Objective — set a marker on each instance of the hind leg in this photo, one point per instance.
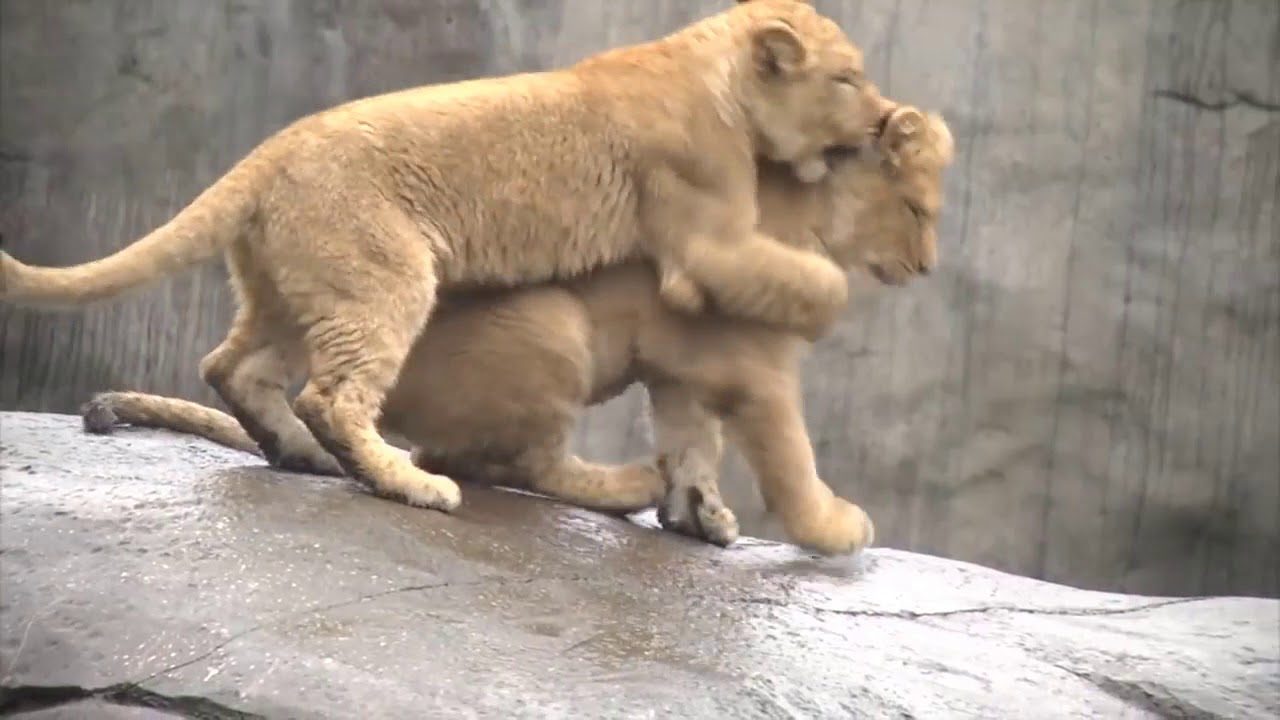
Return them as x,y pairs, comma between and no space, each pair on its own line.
549,468
552,471
250,374
614,489
356,348
688,442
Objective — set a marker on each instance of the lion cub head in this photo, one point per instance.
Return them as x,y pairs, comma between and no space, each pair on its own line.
805,91
886,202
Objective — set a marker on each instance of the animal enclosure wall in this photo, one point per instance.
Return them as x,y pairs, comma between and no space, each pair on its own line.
1088,390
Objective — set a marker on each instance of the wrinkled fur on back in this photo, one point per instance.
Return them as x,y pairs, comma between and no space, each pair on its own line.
340,230
492,390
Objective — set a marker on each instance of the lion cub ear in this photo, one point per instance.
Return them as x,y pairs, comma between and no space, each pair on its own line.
778,49
903,126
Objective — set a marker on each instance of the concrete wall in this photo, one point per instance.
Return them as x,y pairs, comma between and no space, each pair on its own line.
1087,391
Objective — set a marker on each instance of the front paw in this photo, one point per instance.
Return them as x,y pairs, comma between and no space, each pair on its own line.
697,514
844,529
679,291
810,170
830,297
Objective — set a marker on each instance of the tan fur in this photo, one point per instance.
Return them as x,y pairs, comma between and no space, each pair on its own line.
492,390
340,229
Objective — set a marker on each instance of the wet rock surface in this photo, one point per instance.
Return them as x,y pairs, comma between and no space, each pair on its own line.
151,575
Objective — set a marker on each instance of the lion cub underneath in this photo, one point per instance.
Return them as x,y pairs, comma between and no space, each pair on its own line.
492,391
340,230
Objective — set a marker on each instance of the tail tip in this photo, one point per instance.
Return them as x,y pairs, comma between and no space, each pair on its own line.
98,416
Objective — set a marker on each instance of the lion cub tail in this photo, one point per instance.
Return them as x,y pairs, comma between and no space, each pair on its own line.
199,232
107,410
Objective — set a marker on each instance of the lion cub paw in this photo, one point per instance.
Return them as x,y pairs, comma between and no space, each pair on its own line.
844,529
830,287
697,514
420,489
811,170
679,291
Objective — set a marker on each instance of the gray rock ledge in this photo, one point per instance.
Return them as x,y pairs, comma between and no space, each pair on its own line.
147,575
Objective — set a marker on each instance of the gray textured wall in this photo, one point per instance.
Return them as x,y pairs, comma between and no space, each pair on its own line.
1087,391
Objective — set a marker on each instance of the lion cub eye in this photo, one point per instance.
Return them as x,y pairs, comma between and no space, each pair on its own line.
852,79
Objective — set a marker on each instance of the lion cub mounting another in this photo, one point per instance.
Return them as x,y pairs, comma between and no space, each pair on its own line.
492,390
340,230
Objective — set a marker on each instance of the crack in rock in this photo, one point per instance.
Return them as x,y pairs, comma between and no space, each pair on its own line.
1150,699
29,698
1138,696
975,610
319,609
1233,98
286,617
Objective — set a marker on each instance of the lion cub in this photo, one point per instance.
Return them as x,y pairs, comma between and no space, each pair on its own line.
340,230
492,390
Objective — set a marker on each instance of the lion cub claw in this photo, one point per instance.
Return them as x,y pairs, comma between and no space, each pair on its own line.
698,514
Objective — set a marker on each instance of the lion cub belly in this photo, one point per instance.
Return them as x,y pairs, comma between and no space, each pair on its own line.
499,372
637,337
495,372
